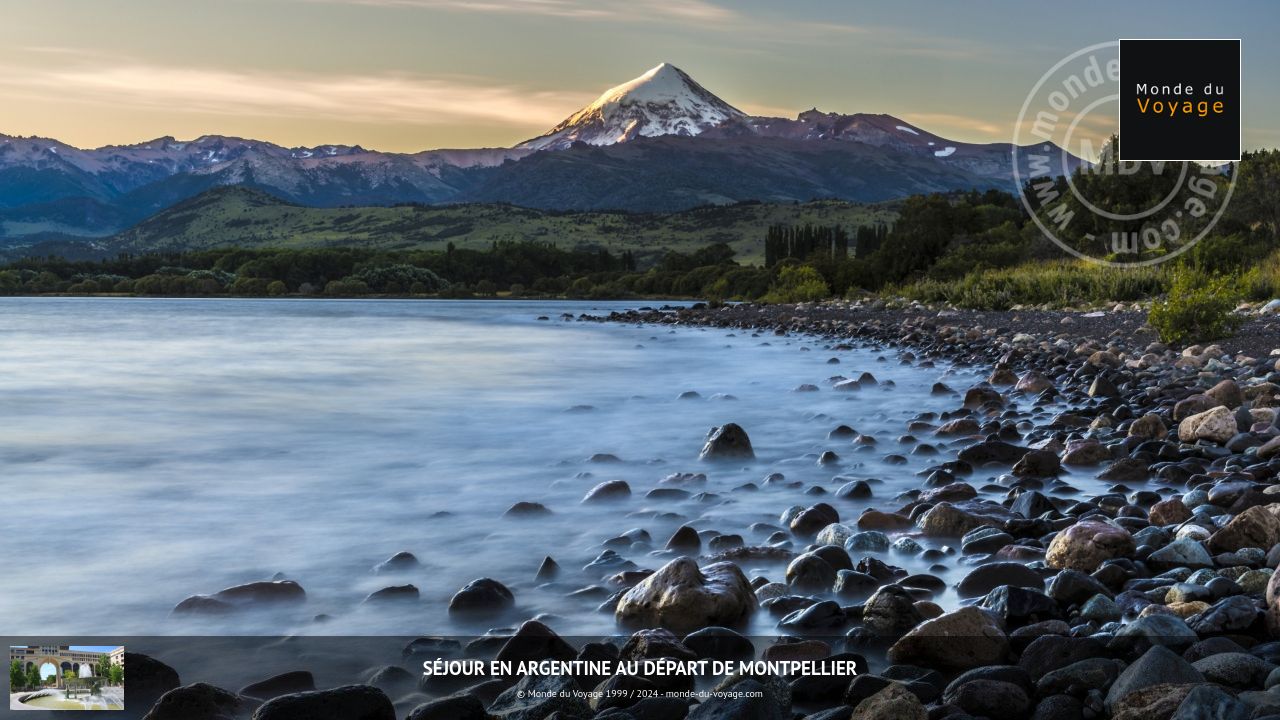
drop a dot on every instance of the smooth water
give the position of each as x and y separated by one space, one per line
156 449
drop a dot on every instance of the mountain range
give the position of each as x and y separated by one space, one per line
658 143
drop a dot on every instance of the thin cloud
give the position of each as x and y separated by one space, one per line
623 10
397 98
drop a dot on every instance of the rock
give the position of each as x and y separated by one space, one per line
890 612
524 509
834 534
1148 427
894 702
810 573
946 520
1226 393
283 684
148 678
868 541
993 699
1151 703
825 615
548 570
992 451
254 594
1236 669
1086 544
985 578
719 643
457 707
535 641
1169 512
400 562
484 596
1072 587
1031 503
854 585
1103 387
1100 609
1181 553
1033 383
960 426
1085 452
393 593
958 640
197 702
536 697
685 539
608 491
878 520
1156 629
1047 653
1038 463
1017 606
1256 527
1079 677
682 597
727 442
1059 707
350 702
1157 666
1230 614
1207 702
1217 425
809 521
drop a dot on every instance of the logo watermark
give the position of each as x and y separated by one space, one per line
1082 196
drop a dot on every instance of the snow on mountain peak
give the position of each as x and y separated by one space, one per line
663 101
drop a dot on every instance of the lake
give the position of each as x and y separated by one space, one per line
154 449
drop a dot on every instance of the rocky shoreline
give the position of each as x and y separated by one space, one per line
1153 598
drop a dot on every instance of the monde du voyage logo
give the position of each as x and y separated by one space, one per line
1125 151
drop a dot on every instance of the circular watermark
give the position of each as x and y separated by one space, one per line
1090 203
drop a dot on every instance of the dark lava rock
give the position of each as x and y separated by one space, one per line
482 596
727 442
351 702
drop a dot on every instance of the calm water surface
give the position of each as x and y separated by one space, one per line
155 449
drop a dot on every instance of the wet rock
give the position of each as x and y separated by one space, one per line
992 452
985 578
1033 383
1169 512
1100 609
867 541
1181 553
1038 464
1157 666
1080 677
1226 393
1086 544
890 612
812 519
610 490
1217 425
535 641
351 702
834 534
527 509
685 539
1072 587
393 593
960 426
825 615
1017 606
879 520
198 701
682 597
947 520
1157 701
727 442
958 640
810 573
1085 452
979 395
548 570
484 596
400 562
249 595
854 585
1231 614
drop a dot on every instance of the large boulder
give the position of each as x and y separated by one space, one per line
1085 545
682 597
958 640
894 702
484 596
351 702
148 679
1256 527
1216 425
727 442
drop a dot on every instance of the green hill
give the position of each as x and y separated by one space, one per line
243 217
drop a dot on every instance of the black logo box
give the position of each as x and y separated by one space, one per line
1187 64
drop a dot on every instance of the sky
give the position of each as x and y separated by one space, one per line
410 75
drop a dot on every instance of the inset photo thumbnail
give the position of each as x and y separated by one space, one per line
66 677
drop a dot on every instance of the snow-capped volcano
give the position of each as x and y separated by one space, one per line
663 101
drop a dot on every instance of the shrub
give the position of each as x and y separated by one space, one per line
798 283
276 288
398 277
1197 308
346 287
